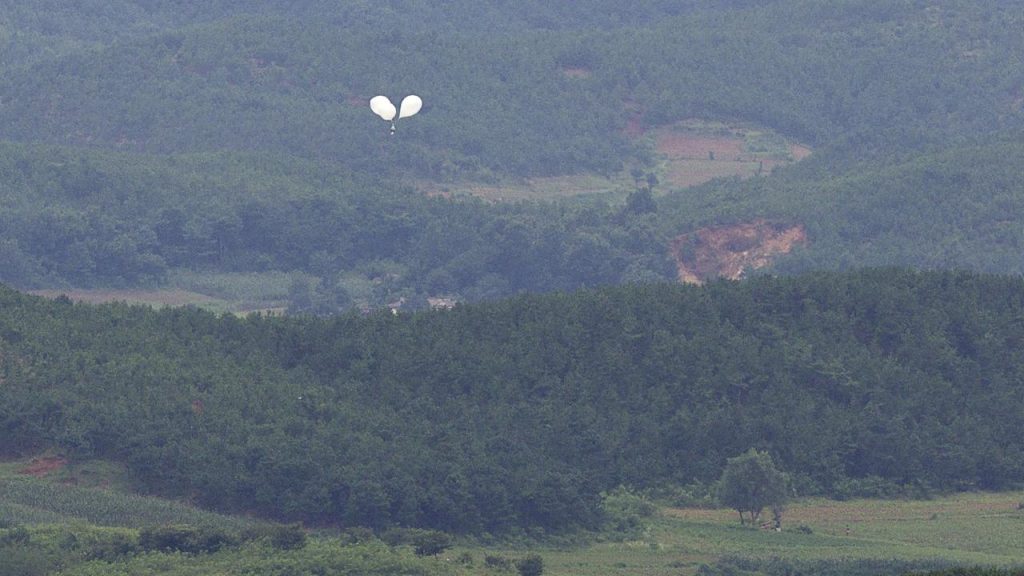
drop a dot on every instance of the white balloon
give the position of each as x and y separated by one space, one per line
411 104
383 107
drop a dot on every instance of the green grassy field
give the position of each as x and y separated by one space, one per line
969 529
982 529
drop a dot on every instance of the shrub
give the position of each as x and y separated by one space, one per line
18 535
424 542
188 539
288 537
279 536
111 548
626 509
397 536
531 565
497 562
431 543
358 534
26 561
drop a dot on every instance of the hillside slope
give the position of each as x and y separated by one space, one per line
518 413
913 113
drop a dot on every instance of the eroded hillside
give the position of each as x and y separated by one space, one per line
729 251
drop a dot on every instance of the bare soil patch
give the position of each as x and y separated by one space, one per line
694 151
729 251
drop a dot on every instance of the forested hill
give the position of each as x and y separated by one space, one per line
297 81
519 412
145 138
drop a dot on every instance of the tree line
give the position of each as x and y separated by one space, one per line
519 413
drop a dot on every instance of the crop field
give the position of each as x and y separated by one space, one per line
693 152
688 153
53 498
983 529
157 298
220 292
29 501
971 529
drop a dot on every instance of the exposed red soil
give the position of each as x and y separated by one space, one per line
43 465
729 251
692 157
680 145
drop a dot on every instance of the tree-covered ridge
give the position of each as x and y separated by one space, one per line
518 413
96 218
501 102
961 207
915 113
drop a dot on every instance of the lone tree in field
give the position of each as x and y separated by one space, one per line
750 483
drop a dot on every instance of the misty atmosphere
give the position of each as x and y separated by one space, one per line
494 288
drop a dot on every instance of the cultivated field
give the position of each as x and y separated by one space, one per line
966 528
974 529
688 153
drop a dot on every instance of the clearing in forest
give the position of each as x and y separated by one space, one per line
148 297
695 151
688 153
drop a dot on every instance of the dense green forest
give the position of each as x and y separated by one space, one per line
519 413
149 137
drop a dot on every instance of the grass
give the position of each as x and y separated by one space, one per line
100 500
683 160
545 188
972 529
219 292
156 298
236 292
966 529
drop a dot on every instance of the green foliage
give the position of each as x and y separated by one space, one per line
431 543
116 545
751 482
513 414
280 536
234 140
26 561
423 542
532 565
29 500
735 565
969 571
497 562
187 539
18 535
626 509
